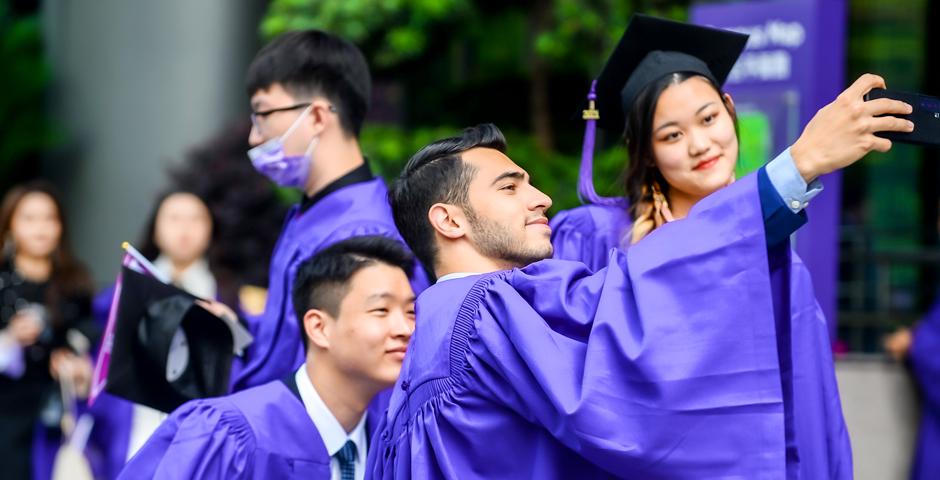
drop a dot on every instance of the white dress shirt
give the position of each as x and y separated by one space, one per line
456 275
331 431
197 279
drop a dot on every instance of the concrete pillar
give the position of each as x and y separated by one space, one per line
135 85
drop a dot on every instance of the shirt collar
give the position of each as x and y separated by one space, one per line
331 431
196 279
359 174
456 275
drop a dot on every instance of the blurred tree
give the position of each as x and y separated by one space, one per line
400 25
25 130
524 65
539 37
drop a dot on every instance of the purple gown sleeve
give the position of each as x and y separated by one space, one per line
665 369
199 440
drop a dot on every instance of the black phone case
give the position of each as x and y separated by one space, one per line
926 117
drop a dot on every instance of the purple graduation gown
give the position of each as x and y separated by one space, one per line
925 362
817 438
262 432
111 435
358 209
662 365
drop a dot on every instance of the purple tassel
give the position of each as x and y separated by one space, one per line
586 191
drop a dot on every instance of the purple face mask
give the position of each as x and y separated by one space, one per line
285 170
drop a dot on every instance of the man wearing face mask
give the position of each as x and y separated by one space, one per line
309 96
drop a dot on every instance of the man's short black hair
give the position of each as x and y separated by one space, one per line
437 174
322 281
312 62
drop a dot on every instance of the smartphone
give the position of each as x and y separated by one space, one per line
926 117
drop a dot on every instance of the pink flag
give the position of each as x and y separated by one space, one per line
133 260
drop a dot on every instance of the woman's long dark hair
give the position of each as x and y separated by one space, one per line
69 276
642 177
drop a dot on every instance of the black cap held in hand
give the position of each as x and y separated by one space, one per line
167 350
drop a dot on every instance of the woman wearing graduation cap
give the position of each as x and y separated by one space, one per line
661 89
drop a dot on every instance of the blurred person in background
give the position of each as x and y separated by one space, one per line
919 348
247 213
229 265
176 239
46 327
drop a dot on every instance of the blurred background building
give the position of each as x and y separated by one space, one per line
106 97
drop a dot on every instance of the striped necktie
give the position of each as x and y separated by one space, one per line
347 461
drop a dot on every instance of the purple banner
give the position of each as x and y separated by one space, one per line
794 65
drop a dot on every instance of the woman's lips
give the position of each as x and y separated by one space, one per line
707 163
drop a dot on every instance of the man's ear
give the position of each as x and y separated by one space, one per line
322 113
317 328
448 220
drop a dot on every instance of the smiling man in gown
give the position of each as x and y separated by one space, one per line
356 308
662 365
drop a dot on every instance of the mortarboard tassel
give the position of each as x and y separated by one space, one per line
586 191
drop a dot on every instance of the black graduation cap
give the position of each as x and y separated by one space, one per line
167 349
652 48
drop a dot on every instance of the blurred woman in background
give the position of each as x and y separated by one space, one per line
45 323
176 239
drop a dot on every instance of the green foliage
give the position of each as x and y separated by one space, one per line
580 26
24 127
401 26
389 148
466 61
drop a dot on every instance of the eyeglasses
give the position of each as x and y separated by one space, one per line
255 116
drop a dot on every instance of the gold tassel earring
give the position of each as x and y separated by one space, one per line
661 206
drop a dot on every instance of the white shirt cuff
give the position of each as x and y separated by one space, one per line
789 184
